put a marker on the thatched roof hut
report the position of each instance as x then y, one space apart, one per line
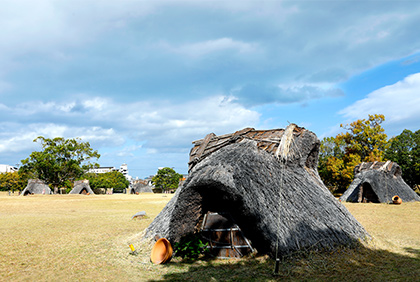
36 186
268 183
141 186
82 187
378 182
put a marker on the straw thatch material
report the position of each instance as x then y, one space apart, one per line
82 187
378 182
244 176
141 187
36 186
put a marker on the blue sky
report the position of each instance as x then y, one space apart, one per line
141 80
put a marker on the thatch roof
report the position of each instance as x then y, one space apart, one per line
244 174
378 182
36 186
141 187
82 187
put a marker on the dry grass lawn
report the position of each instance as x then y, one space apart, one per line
86 238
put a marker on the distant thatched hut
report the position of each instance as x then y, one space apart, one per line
267 182
378 182
82 187
141 186
36 186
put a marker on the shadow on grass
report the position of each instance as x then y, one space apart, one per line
356 264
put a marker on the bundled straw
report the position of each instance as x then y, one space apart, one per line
284 149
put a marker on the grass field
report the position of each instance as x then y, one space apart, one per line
86 238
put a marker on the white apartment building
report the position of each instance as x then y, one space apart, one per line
7 168
104 169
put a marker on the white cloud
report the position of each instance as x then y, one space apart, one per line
400 103
199 49
167 125
107 123
17 137
128 151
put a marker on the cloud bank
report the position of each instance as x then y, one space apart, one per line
400 103
104 122
145 78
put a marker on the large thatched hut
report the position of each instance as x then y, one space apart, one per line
82 187
378 182
36 186
267 182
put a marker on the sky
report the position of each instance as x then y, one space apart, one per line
141 80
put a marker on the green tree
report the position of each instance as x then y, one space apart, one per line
61 160
113 179
404 149
166 179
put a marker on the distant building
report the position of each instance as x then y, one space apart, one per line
124 171
104 169
7 168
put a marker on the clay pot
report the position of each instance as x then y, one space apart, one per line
396 200
161 252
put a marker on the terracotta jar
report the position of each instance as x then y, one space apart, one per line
396 200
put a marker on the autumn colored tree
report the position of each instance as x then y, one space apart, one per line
364 140
10 181
60 161
330 151
335 166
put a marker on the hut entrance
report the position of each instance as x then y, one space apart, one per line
221 221
84 191
224 236
367 195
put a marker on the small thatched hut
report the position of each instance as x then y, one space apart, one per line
267 182
82 187
378 182
36 186
141 186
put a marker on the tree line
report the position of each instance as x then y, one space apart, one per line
61 162
364 140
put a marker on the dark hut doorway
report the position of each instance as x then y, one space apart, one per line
367 195
220 225
84 191
224 236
